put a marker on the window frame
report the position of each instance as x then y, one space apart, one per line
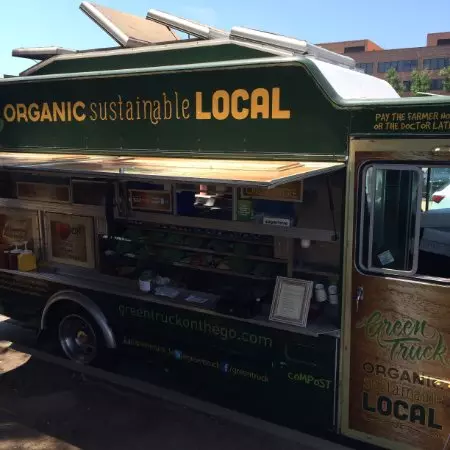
435 63
401 65
366 66
361 222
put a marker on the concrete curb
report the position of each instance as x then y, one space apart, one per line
312 442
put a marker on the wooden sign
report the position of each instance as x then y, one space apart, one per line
43 192
146 200
290 192
400 363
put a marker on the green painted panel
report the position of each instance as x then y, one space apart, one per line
259 110
403 119
113 61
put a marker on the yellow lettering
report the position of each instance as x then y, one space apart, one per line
185 108
21 112
9 113
277 112
103 111
94 115
147 107
156 116
129 112
59 111
138 109
260 102
79 117
45 113
120 103
221 105
112 111
199 113
177 106
237 112
167 107
33 112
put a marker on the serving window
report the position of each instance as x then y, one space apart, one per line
204 200
88 192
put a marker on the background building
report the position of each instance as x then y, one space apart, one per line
376 61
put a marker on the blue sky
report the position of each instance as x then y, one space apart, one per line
390 23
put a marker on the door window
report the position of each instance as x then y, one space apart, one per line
390 219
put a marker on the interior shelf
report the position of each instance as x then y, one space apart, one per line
316 271
212 252
222 272
210 236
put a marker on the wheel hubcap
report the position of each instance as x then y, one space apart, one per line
77 339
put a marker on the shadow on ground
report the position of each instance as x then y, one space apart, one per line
69 411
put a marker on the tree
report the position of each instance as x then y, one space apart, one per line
420 81
446 82
393 78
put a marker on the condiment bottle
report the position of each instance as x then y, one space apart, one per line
4 255
13 255
26 261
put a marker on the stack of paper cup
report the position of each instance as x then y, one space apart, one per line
321 295
333 294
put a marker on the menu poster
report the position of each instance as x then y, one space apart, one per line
289 192
148 200
291 300
43 192
16 229
71 240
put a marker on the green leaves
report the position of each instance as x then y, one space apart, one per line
394 80
420 81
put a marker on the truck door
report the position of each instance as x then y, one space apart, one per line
395 359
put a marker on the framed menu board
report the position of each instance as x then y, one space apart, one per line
18 227
70 239
150 200
291 301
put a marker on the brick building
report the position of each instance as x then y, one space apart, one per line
376 61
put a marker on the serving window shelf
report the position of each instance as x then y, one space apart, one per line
88 279
146 246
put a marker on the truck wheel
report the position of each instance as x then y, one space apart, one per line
80 339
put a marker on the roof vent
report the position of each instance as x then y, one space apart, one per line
292 44
186 26
126 29
40 53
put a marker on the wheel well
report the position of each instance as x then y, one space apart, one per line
55 312
65 302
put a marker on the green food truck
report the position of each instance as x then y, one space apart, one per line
249 214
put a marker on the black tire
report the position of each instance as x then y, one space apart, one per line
66 323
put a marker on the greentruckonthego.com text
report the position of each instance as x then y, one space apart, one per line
198 325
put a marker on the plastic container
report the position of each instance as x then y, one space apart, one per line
26 260
13 258
145 285
320 293
145 282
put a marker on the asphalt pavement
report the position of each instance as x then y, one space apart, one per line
49 403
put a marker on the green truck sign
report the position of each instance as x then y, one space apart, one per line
275 110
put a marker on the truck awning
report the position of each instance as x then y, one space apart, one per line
267 174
